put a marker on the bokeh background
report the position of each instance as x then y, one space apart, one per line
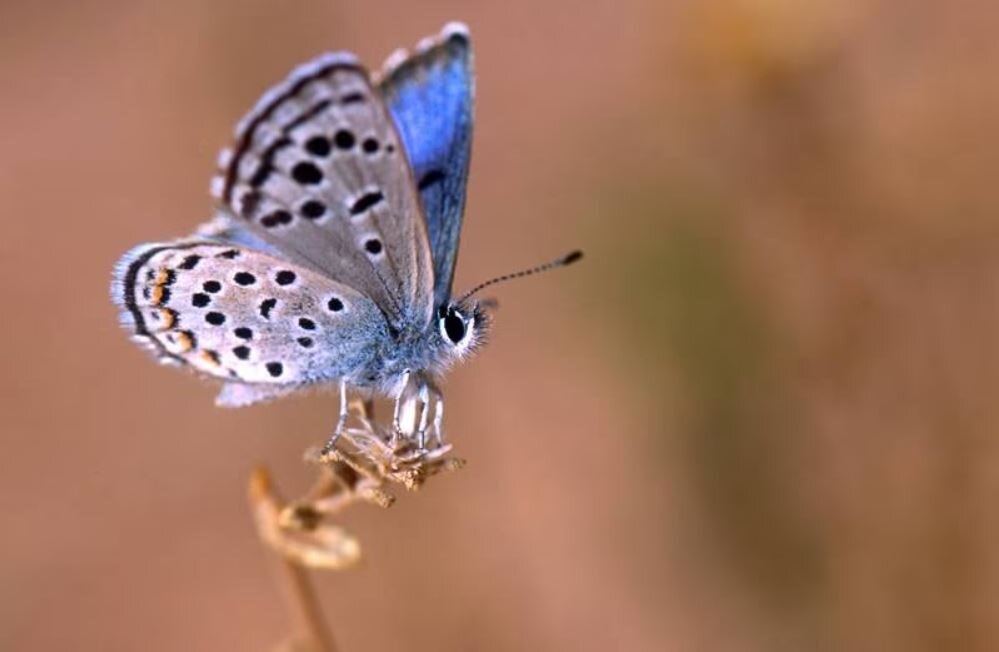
760 416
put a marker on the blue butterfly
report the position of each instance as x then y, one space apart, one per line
331 255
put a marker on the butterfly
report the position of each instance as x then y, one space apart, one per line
330 258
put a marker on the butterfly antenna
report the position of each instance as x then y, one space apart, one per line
567 259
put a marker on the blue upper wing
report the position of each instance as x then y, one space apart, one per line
429 94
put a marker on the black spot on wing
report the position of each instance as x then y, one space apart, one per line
344 139
312 209
429 179
306 173
249 202
277 218
366 201
318 146
244 278
261 175
190 262
215 318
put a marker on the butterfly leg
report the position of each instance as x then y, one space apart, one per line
430 400
421 431
400 402
410 417
341 423
417 398
438 417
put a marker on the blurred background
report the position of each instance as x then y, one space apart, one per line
759 416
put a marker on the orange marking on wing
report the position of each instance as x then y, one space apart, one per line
184 341
168 318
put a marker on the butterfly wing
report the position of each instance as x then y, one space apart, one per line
228 229
318 174
430 94
243 316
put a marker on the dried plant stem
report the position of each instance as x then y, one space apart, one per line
366 461
312 631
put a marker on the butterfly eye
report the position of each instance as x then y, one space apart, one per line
453 326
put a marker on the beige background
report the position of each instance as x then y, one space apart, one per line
760 416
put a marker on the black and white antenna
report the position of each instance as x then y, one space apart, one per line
567 259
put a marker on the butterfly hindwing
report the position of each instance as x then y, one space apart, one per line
430 94
318 173
243 316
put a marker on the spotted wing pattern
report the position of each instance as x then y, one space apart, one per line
318 173
240 315
429 93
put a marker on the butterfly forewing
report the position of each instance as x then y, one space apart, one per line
241 315
319 173
429 93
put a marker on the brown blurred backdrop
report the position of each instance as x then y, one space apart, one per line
760 416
